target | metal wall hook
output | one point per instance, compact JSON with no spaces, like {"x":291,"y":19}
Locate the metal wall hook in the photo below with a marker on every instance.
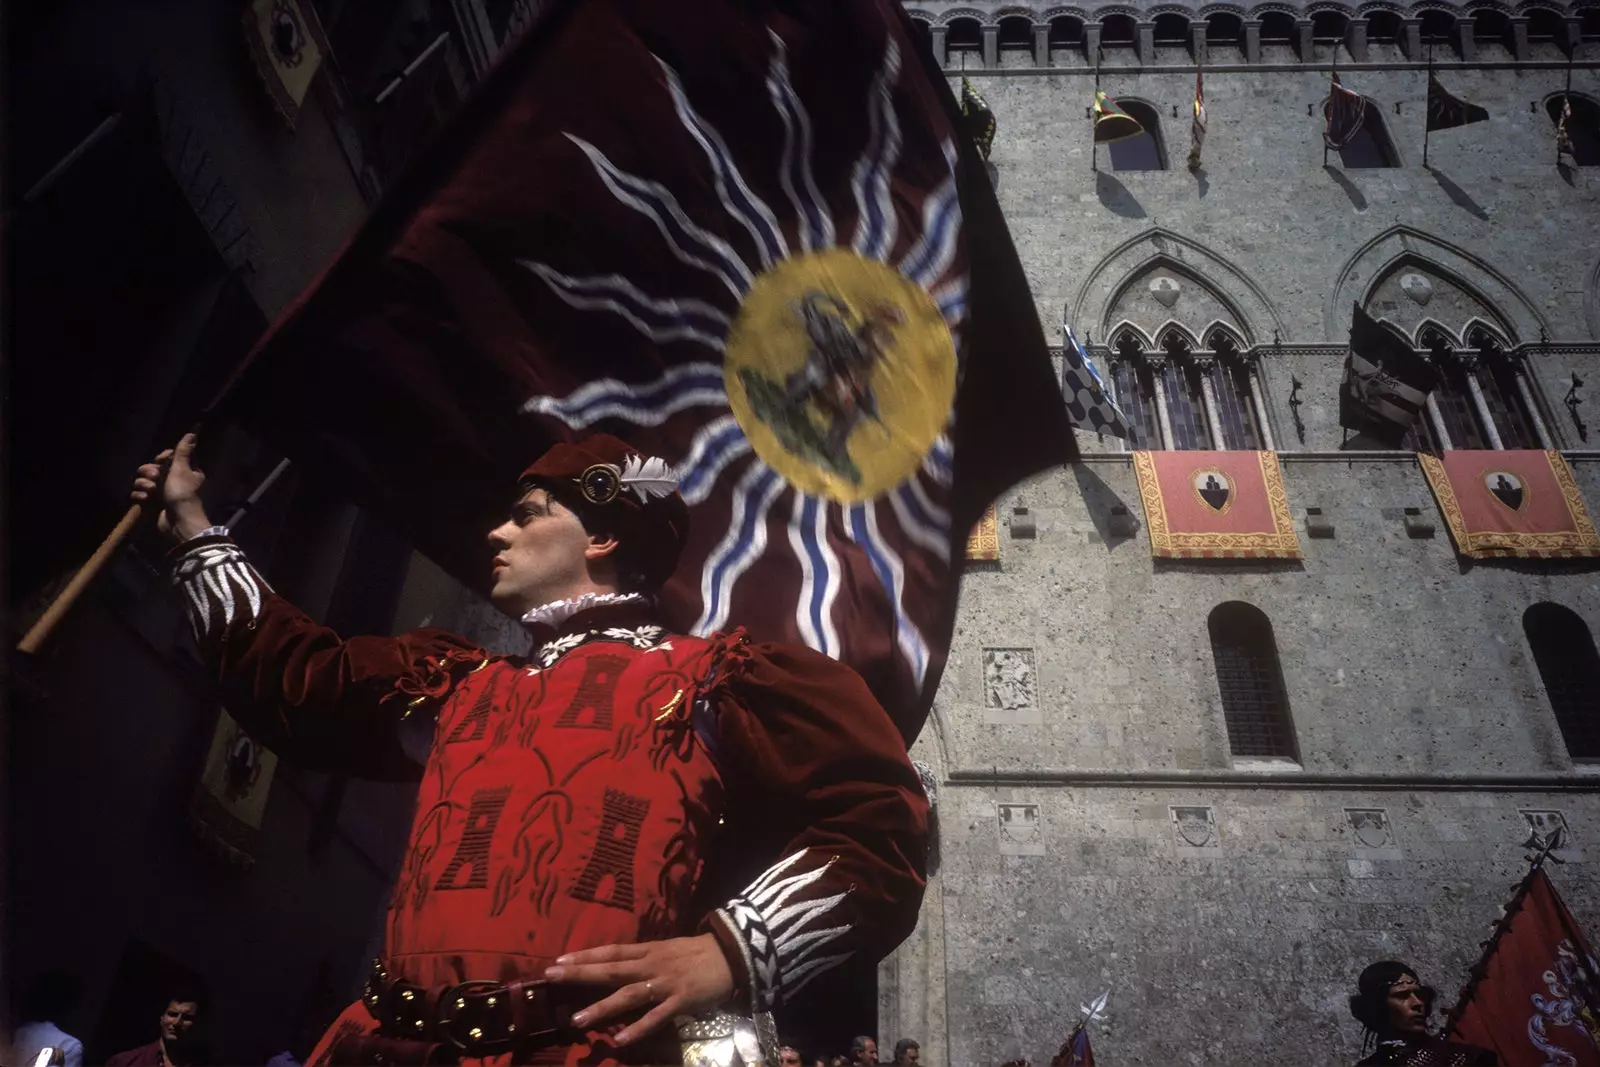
{"x":1294,"y":404}
{"x":1572,"y":400}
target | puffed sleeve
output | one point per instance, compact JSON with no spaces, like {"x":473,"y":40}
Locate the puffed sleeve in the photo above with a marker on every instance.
{"x":804,"y":745}
{"x":317,"y":700}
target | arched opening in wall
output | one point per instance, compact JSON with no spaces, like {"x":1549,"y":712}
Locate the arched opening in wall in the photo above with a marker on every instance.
{"x":1383,"y":27}
{"x":1329,"y":28}
{"x":1231,"y":384}
{"x":1545,"y":26}
{"x":1180,"y":382}
{"x":923,"y":31}
{"x":1491,"y":28}
{"x":1589,"y":24}
{"x":1144,"y":152}
{"x":1016,"y":34}
{"x":1563,"y":650}
{"x":1451,"y":396}
{"x":1583,"y":126}
{"x":1370,"y":147}
{"x":1223,"y":32}
{"x":1135,"y":392}
{"x":1436,"y":28}
{"x":1171,"y":31}
{"x":1117,"y":31}
{"x":963,"y":40}
{"x":1277,"y":27}
{"x":1066,"y":32}
{"x":1497,"y":381}
{"x":1255,"y":702}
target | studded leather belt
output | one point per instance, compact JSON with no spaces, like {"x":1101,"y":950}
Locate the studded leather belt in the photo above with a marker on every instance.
{"x":475,"y":1018}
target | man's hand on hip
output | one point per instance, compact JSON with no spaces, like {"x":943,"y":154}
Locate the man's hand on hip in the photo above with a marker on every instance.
{"x":683,"y":976}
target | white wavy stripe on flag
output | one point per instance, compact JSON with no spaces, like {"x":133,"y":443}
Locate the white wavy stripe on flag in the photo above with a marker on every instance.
{"x":641,"y":403}
{"x":951,"y":300}
{"x":862,"y":521}
{"x":750,"y":210}
{"x":939,"y":462}
{"x":716,"y":444}
{"x":819,"y":571}
{"x":811,"y":211}
{"x":922,"y":520}
{"x":654,"y":201}
{"x":935,"y":250}
{"x":741,"y":546}
{"x":876,"y":224}
{"x":662,"y":321}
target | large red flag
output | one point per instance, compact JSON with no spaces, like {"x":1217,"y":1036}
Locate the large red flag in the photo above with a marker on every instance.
{"x":751,"y":241}
{"x":1535,"y":996}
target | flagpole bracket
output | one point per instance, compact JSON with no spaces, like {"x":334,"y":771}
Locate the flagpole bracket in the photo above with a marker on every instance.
{"x":1572,"y":400}
{"x":1294,"y":407}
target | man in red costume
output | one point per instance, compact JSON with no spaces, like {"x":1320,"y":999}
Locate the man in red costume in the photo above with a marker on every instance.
{"x":624,"y":826}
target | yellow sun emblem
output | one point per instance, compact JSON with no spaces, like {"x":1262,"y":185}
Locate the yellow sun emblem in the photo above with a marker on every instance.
{"x":841,"y":372}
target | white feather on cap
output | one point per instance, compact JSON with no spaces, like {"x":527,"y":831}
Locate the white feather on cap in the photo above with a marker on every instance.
{"x":648,"y":477}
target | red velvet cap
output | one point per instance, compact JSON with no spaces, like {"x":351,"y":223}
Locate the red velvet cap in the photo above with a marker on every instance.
{"x":635,"y":495}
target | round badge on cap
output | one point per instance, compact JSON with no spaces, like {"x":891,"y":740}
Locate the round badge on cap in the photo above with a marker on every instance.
{"x":600,"y":483}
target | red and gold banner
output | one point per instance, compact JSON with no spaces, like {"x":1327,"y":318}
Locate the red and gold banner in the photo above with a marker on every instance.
{"x":1216,"y":505}
{"x":1511,"y":504}
{"x":983,"y":544}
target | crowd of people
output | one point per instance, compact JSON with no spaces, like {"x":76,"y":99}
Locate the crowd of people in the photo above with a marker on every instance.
{"x":863,"y":1053}
{"x":1391,"y":1003}
{"x":53,"y":996}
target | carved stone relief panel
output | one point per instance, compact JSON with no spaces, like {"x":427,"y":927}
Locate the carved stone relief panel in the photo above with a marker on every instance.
{"x":1010,"y":686}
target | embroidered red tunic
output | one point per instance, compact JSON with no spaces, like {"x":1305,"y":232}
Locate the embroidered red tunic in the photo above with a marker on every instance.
{"x":618,"y":784}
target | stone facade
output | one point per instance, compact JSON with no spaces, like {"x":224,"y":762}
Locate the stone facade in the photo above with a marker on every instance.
{"x":1095,"y":829}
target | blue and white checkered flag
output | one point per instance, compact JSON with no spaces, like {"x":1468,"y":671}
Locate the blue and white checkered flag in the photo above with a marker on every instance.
{"x":1089,"y":402}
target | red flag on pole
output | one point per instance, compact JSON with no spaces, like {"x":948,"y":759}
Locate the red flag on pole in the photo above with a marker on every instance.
{"x":1534,"y":997}
{"x":756,"y":243}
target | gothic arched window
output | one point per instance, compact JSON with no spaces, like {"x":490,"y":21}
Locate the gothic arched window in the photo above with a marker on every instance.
{"x":1231,"y":382}
{"x":1255,"y":703}
{"x":1144,"y":152}
{"x":1135,"y":394}
{"x":1569,"y":666}
{"x":1370,"y":147}
{"x":1451,"y":395}
{"x":1583,"y":128}
{"x":1497,"y":380}
{"x":1185,"y":403}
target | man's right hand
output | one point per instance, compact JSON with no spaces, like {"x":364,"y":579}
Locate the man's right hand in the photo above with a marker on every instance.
{"x":182,"y":515}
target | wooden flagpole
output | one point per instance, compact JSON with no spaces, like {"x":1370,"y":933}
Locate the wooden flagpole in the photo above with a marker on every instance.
{"x":40,"y":631}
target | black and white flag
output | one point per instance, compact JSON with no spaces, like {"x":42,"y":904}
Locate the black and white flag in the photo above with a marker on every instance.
{"x":1089,"y":403}
{"x":1386,"y":382}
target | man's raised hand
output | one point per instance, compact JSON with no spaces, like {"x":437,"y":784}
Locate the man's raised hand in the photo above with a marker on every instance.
{"x":182,"y":514}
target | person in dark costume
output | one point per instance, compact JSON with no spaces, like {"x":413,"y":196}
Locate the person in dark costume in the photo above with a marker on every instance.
{"x":1393,"y":1008}
{"x":622,"y":827}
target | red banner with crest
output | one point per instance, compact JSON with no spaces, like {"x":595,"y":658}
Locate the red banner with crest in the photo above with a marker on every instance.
{"x":1535,"y":996}
{"x":1523,"y":503}
{"x":1216,"y":505}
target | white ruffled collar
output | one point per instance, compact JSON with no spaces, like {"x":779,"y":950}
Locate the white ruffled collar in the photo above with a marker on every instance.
{"x":557,"y":612}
